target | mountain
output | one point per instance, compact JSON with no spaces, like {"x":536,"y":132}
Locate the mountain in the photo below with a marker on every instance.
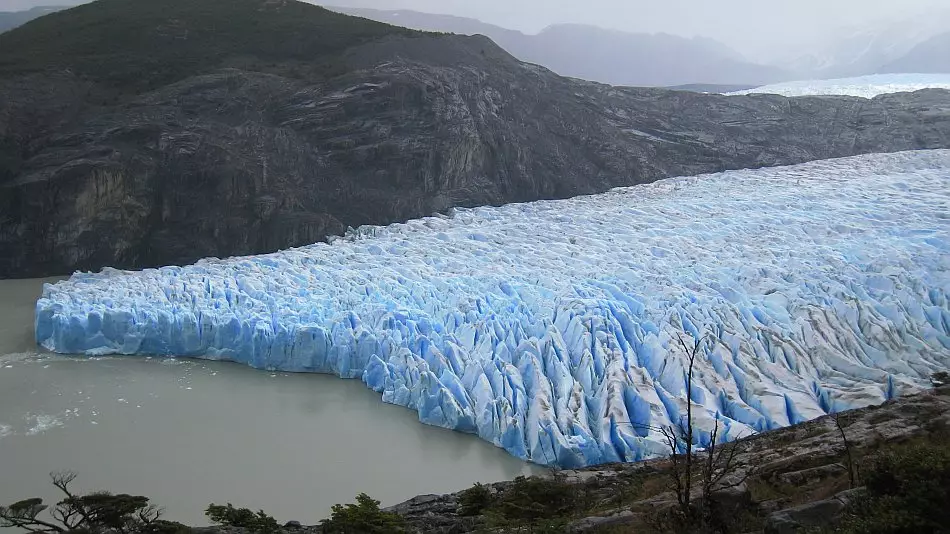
{"x":437,"y":23}
{"x":12,"y":19}
{"x":933,"y":55}
{"x":26,"y":5}
{"x":138,"y":133}
{"x":622,"y":58}
{"x":597,"y":54}
{"x":873,"y":49}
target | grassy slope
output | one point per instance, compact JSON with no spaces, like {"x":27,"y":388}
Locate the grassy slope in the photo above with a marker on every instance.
{"x":137,"y":45}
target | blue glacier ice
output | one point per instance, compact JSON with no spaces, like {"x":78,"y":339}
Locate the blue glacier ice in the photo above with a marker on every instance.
{"x":552,"y":328}
{"x":863,"y":86}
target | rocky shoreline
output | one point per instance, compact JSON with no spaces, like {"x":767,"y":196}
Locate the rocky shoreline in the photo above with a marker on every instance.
{"x":788,"y":480}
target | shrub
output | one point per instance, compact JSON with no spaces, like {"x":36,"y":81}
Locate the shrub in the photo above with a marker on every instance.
{"x":242,"y":518}
{"x":364,"y":517}
{"x":535,"y":499}
{"x":907,"y":492}
{"x":474,"y":500}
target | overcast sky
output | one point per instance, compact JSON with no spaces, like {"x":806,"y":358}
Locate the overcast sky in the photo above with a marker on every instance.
{"x":744,"y":24}
{"x":750,"y":26}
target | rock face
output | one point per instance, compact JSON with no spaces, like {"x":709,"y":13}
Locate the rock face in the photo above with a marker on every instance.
{"x":231,"y":161}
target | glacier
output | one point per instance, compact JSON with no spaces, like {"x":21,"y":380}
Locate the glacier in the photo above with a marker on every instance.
{"x":862,"y":86}
{"x":553,"y":329}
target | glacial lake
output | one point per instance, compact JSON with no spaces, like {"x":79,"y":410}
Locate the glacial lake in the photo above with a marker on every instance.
{"x":188,"y":433}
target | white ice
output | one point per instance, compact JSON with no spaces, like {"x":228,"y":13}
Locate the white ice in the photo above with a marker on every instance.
{"x":552,"y":328}
{"x":863,"y":86}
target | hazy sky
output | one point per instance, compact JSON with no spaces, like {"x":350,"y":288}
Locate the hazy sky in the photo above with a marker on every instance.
{"x":751,"y":26}
{"x":744,"y":24}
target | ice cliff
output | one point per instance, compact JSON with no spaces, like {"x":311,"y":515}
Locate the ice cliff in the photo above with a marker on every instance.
{"x":552,"y":328}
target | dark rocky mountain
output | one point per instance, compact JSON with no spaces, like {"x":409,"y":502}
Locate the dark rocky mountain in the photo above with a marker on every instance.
{"x":136,"y":133}
{"x":933,"y":55}
{"x":13,"y":19}
{"x":601,"y":55}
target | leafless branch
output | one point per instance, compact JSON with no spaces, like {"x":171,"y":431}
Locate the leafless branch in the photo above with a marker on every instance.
{"x":847,"y":449}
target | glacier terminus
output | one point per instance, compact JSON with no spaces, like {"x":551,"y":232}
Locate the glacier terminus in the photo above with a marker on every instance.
{"x":552,"y":328}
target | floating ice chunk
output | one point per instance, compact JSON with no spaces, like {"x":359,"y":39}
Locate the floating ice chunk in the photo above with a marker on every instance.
{"x":552,"y":328}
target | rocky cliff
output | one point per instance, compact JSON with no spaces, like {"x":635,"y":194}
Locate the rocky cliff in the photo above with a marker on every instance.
{"x":186,"y":141}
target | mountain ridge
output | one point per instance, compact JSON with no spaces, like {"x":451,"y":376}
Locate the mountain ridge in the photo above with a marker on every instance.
{"x":603,"y":55}
{"x":932,"y":55}
{"x":14,"y":19}
{"x":875,"y":49}
{"x":246,"y":154}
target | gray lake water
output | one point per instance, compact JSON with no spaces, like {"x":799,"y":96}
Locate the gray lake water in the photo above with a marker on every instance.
{"x":187,"y":433}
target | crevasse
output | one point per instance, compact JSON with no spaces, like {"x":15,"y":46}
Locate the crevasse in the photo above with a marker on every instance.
{"x":550,"y":328}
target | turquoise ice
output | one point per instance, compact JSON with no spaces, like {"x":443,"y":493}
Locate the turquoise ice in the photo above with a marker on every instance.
{"x":550,"y":328}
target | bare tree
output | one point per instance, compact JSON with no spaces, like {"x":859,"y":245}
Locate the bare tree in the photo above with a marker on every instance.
{"x":719,"y":466}
{"x":682,"y":472}
{"x":719,"y":461}
{"x":836,"y":417}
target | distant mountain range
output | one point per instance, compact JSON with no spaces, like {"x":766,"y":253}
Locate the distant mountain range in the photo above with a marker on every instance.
{"x":25,"y":5}
{"x":597,"y":54}
{"x":932,"y":55}
{"x":911,"y":44}
{"x":12,"y":19}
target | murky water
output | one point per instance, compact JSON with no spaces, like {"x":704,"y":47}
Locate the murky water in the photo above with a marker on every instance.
{"x":188,"y":433}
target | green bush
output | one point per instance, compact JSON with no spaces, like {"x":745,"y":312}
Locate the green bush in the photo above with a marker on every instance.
{"x":242,"y":518}
{"x":364,"y":517}
{"x":534,"y":501}
{"x":474,"y":500}
{"x":908,"y":491}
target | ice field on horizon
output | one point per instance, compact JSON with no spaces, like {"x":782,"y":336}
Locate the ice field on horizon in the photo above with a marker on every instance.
{"x":552,"y":328}
{"x":863,"y":86}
